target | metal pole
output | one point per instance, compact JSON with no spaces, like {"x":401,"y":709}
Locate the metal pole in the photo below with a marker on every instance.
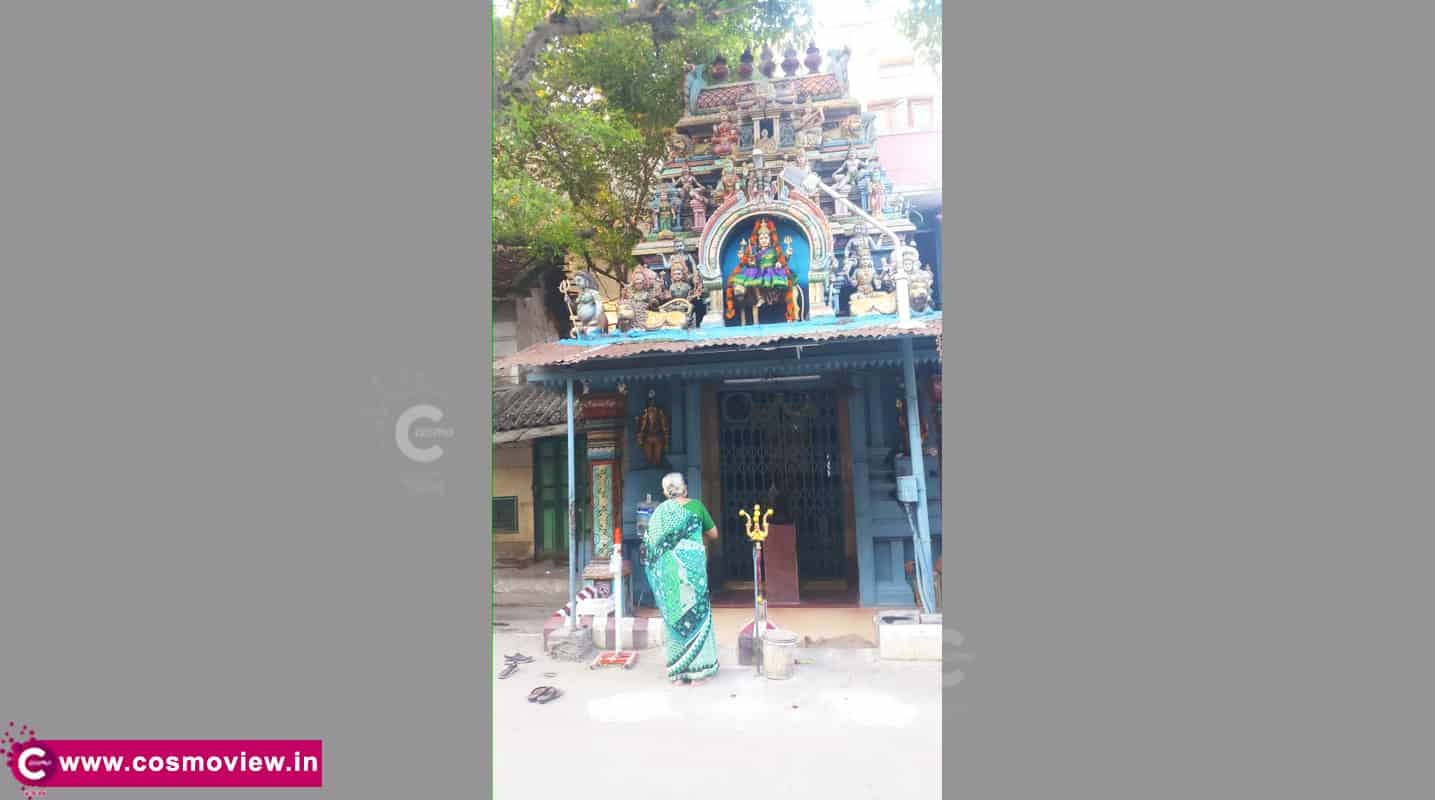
{"x":923,"y":550}
{"x":572,"y":516}
{"x":759,"y":626}
{"x":616,"y":564}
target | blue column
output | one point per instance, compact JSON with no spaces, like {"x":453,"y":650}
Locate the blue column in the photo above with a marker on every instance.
{"x":861,"y":492}
{"x":923,"y":545}
{"x":692,"y":429}
{"x":572,"y":515}
{"x":876,"y":427}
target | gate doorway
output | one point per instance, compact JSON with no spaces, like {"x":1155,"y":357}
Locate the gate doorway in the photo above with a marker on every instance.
{"x":781,"y":449}
{"x":550,"y":497}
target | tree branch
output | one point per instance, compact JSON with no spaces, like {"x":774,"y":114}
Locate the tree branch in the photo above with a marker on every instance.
{"x":655,"y":13}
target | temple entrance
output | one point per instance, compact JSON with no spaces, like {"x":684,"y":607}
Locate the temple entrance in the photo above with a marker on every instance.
{"x":780,"y":449}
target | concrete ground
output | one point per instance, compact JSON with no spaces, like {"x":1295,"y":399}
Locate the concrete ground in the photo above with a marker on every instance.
{"x":845,"y":725}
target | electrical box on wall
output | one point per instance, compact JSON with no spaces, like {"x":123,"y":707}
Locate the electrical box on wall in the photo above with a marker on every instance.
{"x":906,"y":489}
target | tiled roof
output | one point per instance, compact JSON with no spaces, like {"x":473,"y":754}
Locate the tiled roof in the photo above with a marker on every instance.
{"x":616,"y":346}
{"x":519,"y":407}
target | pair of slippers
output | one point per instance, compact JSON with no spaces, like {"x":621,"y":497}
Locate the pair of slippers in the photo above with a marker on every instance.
{"x":544,"y":694}
{"x":511,"y":664}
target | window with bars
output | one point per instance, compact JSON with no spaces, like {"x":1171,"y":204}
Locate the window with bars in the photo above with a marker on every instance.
{"x":505,"y":514}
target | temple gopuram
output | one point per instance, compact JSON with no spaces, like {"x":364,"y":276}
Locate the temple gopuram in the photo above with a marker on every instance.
{"x":772,"y":339}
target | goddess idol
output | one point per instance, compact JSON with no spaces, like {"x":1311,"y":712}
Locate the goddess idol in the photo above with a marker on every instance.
{"x":762,"y":274}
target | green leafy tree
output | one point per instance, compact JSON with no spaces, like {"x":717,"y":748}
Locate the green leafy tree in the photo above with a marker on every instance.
{"x":586,"y":93}
{"x":921,"y":23}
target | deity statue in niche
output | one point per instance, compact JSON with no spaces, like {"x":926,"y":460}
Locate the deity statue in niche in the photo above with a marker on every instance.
{"x":652,"y":430}
{"x":642,"y":294}
{"x":762,"y":276}
{"x":877,"y":192}
{"x":679,"y":146}
{"x":725,"y":136}
{"x":726,"y":185}
{"x":903,"y":437}
{"x":809,"y":126}
{"x":867,"y":280}
{"x":864,"y":184}
{"x":864,"y":274}
{"x":695,"y":197}
{"x":765,"y":143}
{"x":919,"y":280}
{"x":846,"y":176}
{"x":682,"y":277}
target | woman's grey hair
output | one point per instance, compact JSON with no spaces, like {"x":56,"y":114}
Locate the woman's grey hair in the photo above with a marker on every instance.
{"x":673,"y":485}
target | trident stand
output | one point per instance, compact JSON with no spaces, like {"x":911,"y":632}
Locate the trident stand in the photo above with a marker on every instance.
{"x":757,"y":525}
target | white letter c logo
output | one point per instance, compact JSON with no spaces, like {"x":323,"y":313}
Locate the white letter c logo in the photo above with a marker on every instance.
{"x":402,"y":434}
{"x":23,"y":763}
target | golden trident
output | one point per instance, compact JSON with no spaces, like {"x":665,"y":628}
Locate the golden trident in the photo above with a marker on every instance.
{"x":756,"y":523}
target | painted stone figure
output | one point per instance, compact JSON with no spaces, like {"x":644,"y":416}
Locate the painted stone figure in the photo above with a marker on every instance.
{"x":695,"y":197}
{"x":919,"y":280}
{"x":877,"y":192}
{"x":682,"y":280}
{"x":846,"y":176}
{"x":864,"y":185}
{"x":725,"y":136}
{"x":585,"y":304}
{"x":839,"y":60}
{"x":762,"y":274}
{"x":809,"y":126}
{"x":867,"y":280}
{"x":675,"y":221}
{"x":726,"y":185}
{"x":652,"y":429}
{"x":679,"y":146}
{"x":765,"y":143}
{"x":642,"y":294}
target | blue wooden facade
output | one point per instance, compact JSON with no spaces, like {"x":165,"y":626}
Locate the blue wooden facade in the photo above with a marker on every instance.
{"x":866,"y":377}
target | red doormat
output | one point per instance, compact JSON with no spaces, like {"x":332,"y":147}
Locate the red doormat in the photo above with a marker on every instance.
{"x":617,"y":658}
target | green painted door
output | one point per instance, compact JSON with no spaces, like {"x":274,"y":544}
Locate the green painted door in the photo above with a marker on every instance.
{"x":550,"y":496}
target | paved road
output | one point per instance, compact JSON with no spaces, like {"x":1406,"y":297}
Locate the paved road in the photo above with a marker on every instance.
{"x":845,"y":728}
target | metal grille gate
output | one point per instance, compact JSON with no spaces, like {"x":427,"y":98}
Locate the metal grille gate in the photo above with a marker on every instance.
{"x":780,"y":449}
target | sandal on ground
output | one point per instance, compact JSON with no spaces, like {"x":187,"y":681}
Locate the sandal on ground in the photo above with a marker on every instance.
{"x":508,"y":670}
{"x":518,"y":658}
{"x":543,"y":694}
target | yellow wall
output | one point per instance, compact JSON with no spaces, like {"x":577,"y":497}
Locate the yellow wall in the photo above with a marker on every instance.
{"x":513,"y":477}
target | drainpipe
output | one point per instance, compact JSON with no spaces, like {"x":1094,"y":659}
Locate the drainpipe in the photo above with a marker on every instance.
{"x":922,"y":552}
{"x":572,"y":517}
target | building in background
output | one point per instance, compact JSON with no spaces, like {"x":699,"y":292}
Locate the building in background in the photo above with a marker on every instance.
{"x":530,"y":475}
{"x":905,"y":94}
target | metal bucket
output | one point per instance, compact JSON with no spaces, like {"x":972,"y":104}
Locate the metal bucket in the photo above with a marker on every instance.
{"x":779,"y":653}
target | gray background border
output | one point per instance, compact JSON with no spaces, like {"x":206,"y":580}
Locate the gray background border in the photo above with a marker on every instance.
{"x":1190,"y":398}
{"x":1188,"y":283}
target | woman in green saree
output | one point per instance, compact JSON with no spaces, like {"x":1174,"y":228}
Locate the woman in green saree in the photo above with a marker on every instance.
{"x":676,"y":561}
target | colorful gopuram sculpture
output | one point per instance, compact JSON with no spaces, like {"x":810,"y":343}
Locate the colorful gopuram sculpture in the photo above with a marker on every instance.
{"x":728,"y":240}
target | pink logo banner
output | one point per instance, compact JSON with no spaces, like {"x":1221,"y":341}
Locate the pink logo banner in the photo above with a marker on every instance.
{"x":161,"y":764}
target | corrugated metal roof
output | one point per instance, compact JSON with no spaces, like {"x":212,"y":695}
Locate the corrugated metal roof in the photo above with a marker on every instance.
{"x":614,"y":347}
